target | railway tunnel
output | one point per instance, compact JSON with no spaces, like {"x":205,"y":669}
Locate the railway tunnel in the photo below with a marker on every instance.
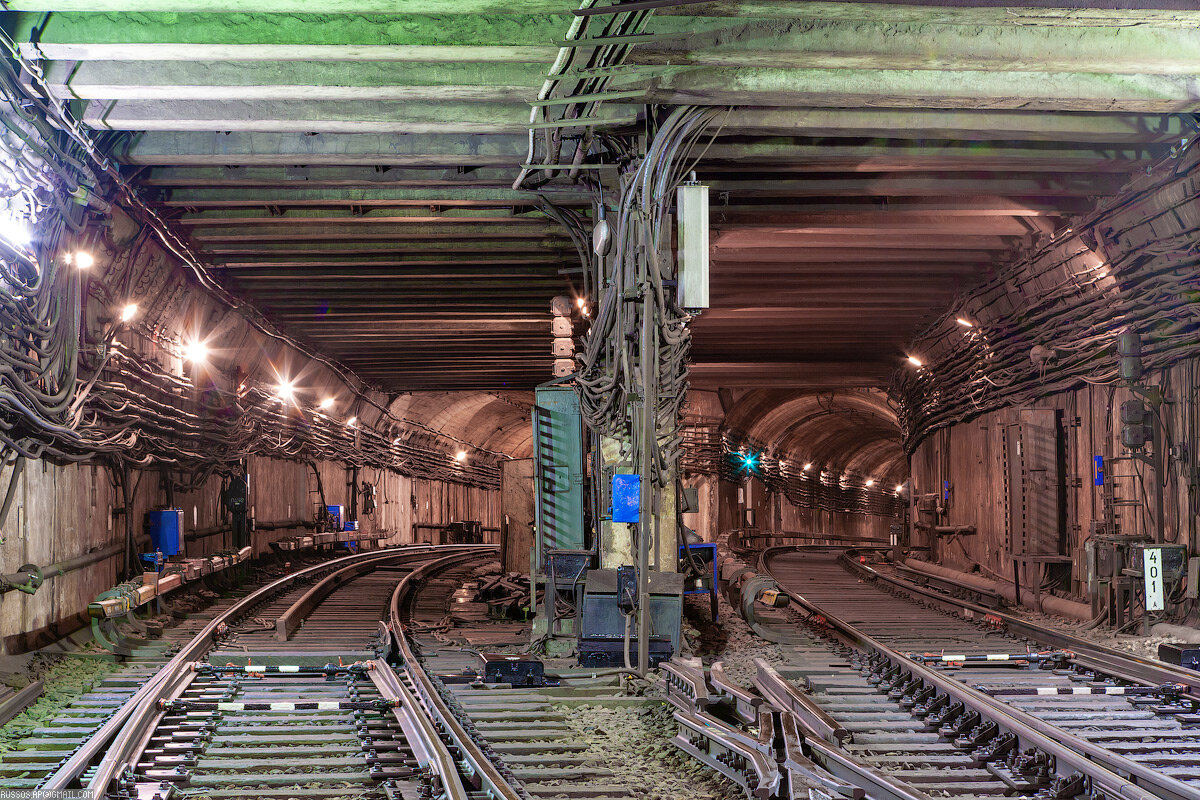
{"x":572,"y":340}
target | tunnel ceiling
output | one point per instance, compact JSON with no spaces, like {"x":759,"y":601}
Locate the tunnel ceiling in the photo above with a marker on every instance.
{"x":350,"y":171}
{"x":847,"y":431}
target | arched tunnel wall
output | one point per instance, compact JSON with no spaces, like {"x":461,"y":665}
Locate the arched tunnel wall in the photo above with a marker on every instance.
{"x":1022,"y":389}
{"x":825,"y":465}
{"x":148,"y":410}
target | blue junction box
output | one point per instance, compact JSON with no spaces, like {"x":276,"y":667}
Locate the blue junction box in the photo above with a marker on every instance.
{"x":626,"y":498}
{"x":165,"y":527}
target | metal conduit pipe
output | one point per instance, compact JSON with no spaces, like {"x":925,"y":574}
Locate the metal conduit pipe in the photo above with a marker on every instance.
{"x":29,"y":578}
{"x":1050,"y":603}
{"x":945,"y":530}
{"x":287,"y":524}
{"x":18,"y":467}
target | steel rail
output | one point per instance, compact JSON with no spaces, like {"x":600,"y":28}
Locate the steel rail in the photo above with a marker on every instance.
{"x":785,"y":697}
{"x":1117,"y":663}
{"x":136,"y":714}
{"x":481,"y":767}
{"x":131,"y":740}
{"x":419,"y":730}
{"x":1105,"y":770}
{"x":290,"y":620}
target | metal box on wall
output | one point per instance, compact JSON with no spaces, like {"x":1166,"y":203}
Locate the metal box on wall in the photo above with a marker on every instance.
{"x":165,"y":527}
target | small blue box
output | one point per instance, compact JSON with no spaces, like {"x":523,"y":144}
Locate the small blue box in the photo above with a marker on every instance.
{"x":626,"y":498}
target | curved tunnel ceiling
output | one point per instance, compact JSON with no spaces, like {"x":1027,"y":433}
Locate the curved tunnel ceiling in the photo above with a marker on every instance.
{"x":846,"y":431}
{"x":496,"y":422}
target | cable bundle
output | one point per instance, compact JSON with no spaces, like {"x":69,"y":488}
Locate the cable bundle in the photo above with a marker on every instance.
{"x":611,"y":375}
{"x":1050,"y":322}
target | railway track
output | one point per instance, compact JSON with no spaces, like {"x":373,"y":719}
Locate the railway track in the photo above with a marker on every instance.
{"x":340,"y":681}
{"x":953,"y":704}
{"x":286,"y":692}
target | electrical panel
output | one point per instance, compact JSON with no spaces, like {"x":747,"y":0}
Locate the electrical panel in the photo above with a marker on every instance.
{"x":558,"y":465}
{"x":1034,"y":483}
{"x":692,"y":215}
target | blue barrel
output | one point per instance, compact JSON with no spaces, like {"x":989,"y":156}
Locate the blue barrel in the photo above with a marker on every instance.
{"x":165,"y":527}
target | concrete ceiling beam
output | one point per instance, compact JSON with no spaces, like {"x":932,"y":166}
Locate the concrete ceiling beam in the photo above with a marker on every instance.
{"x":876,"y":88}
{"x":285,"y":251}
{"x":204,"y":148}
{"x":980,"y":203}
{"x":879,"y":46}
{"x":341,"y":234}
{"x":790,"y":154}
{"x":310,"y":274}
{"x":292,"y":80}
{"x":895,"y":238}
{"x":1073,"y":13}
{"x":318,"y":116}
{"x":397,"y":7}
{"x":962,"y":125}
{"x":403,"y":216}
{"x":938,"y":184}
{"x":373,"y":196}
{"x":733,"y":223}
{"x":324,"y":177}
{"x":198,"y":36}
{"x":220,"y":51}
{"x":832,"y":255}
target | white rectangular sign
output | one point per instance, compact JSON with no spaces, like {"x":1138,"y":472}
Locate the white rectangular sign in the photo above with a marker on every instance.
{"x":1152,"y":569}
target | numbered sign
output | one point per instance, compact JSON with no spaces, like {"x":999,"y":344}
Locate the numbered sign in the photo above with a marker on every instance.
{"x":1152,"y":560}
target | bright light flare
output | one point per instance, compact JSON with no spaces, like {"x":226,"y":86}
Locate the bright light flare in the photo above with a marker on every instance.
{"x":916,"y":362}
{"x":286,"y":391}
{"x":84,"y":260}
{"x":870,"y":482}
{"x":129,"y":312}
{"x":350,"y":423}
{"x":808,"y":466}
{"x":15,"y":231}
{"x":899,"y":488}
{"x":966,"y":323}
{"x":196,"y":351}
{"x":326,"y":404}
{"x":460,"y":456}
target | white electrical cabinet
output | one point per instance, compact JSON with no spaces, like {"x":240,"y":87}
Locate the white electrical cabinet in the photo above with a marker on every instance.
{"x":691,"y":208}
